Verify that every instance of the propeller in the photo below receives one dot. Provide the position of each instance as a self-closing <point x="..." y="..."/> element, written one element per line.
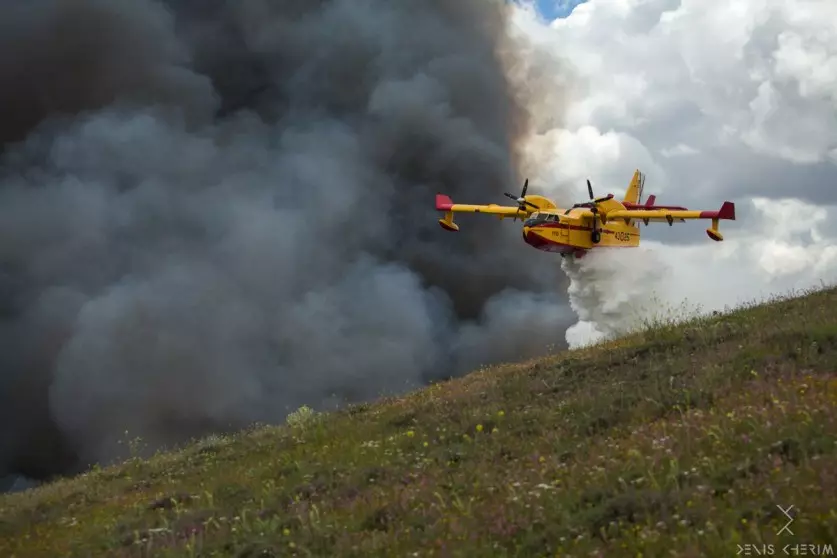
<point x="521" y="201"/>
<point x="593" y="205"/>
<point x="594" y="199"/>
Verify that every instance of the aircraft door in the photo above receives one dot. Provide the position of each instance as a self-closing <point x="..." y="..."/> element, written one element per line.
<point x="563" y="231"/>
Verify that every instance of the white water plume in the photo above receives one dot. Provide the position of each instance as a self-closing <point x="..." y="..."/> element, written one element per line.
<point x="616" y="291"/>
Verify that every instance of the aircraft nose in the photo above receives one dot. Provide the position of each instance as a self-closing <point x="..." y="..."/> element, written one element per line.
<point x="526" y="233"/>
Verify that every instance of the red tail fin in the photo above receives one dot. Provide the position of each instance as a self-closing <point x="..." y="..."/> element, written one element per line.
<point x="443" y="202"/>
<point x="727" y="211"/>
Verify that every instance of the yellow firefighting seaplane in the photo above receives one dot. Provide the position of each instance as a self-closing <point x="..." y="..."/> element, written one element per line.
<point x="600" y="222"/>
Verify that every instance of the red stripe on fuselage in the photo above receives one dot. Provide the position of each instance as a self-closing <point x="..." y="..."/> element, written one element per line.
<point x="547" y="245"/>
<point x="575" y="228"/>
<point x="555" y="225"/>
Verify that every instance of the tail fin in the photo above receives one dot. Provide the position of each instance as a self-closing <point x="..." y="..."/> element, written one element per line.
<point x="634" y="192"/>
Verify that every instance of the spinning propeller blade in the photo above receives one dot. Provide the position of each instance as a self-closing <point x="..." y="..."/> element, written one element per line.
<point x="593" y="198"/>
<point x="521" y="201"/>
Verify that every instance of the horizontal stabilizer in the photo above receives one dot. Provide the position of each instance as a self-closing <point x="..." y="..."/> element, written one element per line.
<point x="650" y="205"/>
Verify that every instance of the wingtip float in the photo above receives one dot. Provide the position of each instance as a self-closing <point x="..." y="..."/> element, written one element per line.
<point x="600" y="222"/>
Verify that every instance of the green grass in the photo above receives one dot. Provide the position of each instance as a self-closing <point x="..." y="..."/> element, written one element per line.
<point x="681" y="439"/>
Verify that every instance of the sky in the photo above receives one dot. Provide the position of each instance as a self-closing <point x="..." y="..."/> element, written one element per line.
<point x="714" y="100"/>
<point x="553" y="9"/>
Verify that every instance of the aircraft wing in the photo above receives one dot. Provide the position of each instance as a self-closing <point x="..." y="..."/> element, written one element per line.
<point x="727" y="211"/>
<point x="444" y="203"/>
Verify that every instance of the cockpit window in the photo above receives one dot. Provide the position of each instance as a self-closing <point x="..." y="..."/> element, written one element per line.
<point x="538" y="217"/>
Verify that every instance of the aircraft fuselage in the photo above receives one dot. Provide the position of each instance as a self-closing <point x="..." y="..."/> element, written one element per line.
<point x="566" y="232"/>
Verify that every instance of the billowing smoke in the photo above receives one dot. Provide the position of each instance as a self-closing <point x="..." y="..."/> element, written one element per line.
<point x="213" y="212"/>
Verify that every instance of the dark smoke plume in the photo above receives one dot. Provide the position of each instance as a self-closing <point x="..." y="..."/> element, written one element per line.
<point x="214" y="212"/>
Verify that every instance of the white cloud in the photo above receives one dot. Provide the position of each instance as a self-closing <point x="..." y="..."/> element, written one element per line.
<point x="715" y="100"/>
<point x="679" y="150"/>
<point x="568" y="158"/>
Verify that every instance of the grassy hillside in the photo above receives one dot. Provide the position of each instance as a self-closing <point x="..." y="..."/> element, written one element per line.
<point x="681" y="440"/>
